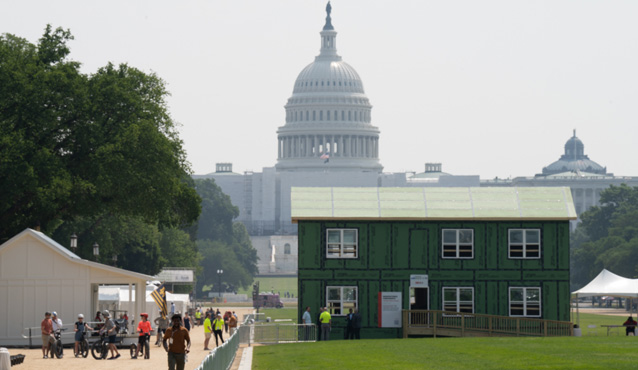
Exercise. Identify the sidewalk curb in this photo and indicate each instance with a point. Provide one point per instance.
(246, 359)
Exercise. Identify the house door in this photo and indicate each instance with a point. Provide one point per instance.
(419, 300)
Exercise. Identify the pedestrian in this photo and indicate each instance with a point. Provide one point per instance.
(110, 330)
(162, 323)
(57, 328)
(172, 309)
(356, 324)
(232, 323)
(179, 343)
(208, 331)
(46, 326)
(144, 328)
(307, 322)
(319, 324)
(226, 317)
(198, 316)
(349, 333)
(218, 329)
(80, 328)
(326, 323)
(187, 321)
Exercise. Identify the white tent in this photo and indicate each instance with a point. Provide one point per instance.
(607, 284)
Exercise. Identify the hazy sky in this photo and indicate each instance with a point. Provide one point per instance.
(492, 88)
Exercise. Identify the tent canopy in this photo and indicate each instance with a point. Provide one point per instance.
(610, 284)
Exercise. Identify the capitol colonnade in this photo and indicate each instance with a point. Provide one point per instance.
(346, 146)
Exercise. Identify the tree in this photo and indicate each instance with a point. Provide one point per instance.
(83, 146)
(607, 237)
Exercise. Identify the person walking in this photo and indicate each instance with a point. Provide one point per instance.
(80, 328)
(232, 324)
(319, 324)
(179, 343)
(218, 329)
(326, 323)
(356, 324)
(208, 331)
(46, 326)
(144, 328)
(110, 330)
(162, 323)
(307, 321)
(198, 317)
(187, 321)
(349, 334)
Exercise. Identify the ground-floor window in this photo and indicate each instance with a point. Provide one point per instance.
(341, 299)
(458, 299)
(525, 302)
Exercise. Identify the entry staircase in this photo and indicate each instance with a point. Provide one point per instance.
(459, 324)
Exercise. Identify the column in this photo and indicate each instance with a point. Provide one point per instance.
(340, 145)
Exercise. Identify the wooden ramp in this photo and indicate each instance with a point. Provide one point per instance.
(459, 324)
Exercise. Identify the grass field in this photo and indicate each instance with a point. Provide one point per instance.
(281, 313)
(276, 284)
(595, 350)
(616, 353)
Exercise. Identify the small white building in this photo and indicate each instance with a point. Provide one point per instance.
(37, 275)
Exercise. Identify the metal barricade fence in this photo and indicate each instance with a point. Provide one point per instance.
(222, 357)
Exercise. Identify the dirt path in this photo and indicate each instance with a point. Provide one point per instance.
(158, 359)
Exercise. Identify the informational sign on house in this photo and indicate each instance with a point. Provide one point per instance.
(389, 309)
(176, 276)
(418, 281)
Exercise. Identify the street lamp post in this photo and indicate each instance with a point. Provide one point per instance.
(96, 250)
(74, 242)
(115, 260)
(219, 281)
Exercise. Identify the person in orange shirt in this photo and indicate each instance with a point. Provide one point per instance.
(179, 343)
(47, 329)
(144, 328)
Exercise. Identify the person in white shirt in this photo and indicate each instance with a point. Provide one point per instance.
(57, 324)
(307, 321)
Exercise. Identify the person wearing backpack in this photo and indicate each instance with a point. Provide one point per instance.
(110, 328)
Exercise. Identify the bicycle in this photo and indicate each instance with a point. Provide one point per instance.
(145, 349)
(83, 349)
(56, 345)
(100, 348)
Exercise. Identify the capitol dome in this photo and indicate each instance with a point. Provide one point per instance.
(328, 117)
(574, 160)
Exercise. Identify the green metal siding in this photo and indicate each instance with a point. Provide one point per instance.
(390, 251)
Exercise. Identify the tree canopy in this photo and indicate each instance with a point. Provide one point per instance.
(76, 146)
(607, 237)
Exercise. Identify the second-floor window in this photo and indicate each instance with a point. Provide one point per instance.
(524, 243)
(458, 243)
(342, 243)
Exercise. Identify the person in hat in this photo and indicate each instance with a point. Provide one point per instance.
(218, 329)
(109, 329)
(80, 328)
(57, 328)
(144, 328)
(179, 343)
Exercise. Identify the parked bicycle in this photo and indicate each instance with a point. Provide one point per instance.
(144, 350)
(56, 346)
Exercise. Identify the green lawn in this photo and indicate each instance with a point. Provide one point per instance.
(280, 313)
(598, 320)
(592, 352)
(276, 284)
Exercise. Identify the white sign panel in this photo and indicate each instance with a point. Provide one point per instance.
(418, 281)
(176, 276)
(389, 309)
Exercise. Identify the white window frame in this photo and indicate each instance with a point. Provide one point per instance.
(342, 246)
(458, 244)
(525, 243)
(525, 302)
(458, 298)
(341, 304)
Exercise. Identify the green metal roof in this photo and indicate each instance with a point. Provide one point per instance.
(430, 203)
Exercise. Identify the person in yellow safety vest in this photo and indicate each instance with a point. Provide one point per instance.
(218, 328)
(208, 328)
(198, 317)
(326, 320)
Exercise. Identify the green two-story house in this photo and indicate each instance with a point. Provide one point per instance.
(496, 251)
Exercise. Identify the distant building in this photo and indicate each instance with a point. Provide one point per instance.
(494, 251)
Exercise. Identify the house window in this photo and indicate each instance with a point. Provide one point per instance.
(524, 243)
(458, 243)
(525, 302)
(458, 300)
(341, 299)
(342, 243)
(286, 248)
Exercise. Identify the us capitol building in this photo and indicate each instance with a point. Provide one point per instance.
(328, 140)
